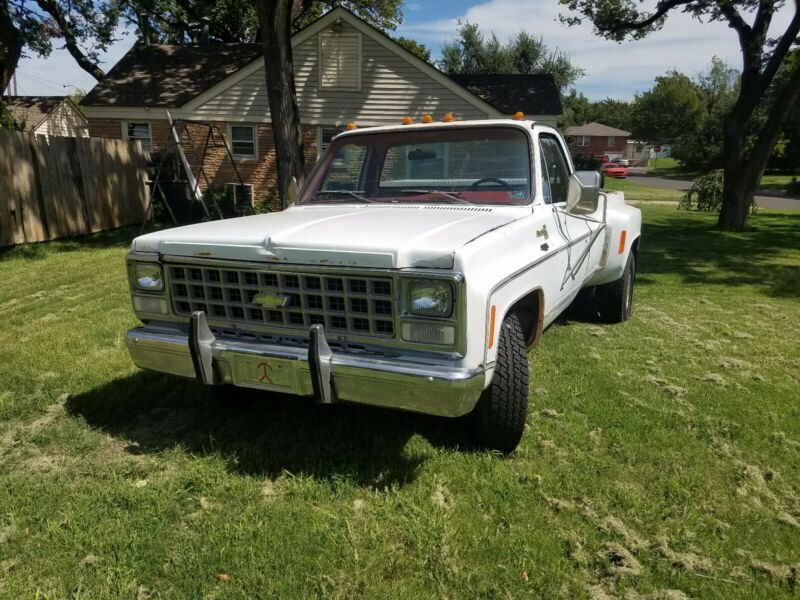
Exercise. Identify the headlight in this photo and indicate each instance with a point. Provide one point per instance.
(431, 298)
(148, 277)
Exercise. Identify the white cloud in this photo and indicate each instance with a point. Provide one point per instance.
(612, 69)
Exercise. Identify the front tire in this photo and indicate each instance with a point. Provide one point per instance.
(615, 299)
(499, 417)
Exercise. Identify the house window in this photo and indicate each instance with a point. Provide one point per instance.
(326, 134)
(611, 141)
(243, 140)
(582, 140)
(242, 194)
(139, 132)
(340, 61)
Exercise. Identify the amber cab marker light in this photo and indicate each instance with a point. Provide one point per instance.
(448, 118)
(519, 116)
(622, 237)
(491, 327)
(350, 126)
(408, 121)
(427, 119)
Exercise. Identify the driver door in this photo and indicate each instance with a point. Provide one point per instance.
(580, 232)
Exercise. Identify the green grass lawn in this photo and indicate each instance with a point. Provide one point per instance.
(661, 457)
(777, 182)
(641, 193)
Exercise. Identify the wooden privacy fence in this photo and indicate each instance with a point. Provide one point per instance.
(67, 186)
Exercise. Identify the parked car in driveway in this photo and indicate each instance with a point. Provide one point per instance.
(612, 169)
(416, 269)
(623, 162)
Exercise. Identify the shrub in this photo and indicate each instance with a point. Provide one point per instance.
(706, 194)
(586, 163)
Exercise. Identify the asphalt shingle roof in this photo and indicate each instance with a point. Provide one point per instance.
(596, 129)
(168, 76)
(31, 110)
(535, 94)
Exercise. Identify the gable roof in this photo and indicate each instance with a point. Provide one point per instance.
(166, 76)
(32, 110)
(534, 94)
(596, 129)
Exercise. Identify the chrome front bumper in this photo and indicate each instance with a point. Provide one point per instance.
(317, 371)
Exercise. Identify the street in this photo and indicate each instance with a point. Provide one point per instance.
(638, 175)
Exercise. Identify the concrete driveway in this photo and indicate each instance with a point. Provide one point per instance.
(639, 176)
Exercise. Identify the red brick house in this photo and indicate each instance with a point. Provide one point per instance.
(345, 71)
(596, 139)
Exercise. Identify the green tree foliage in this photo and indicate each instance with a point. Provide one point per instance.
(85, 27)
(228, 21)
(471, 52)
(663, 114)
(702, 103)
(755, 121)
(416, 48)
(578, 110)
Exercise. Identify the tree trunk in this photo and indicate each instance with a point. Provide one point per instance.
(743, 169)
(275, 22)
(737, 189)
(10, 47)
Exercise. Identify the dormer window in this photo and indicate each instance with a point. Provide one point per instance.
(340, 61)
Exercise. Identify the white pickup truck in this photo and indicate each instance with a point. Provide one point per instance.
(415, 270)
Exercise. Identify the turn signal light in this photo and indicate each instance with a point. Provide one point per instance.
(448, 118)
(427, 119)
(491, 326)
(622, 237)
(519, 116)
(350, 126)
(408, 121)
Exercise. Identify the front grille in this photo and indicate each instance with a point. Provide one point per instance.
(341, 303)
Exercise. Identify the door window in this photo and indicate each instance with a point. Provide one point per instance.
(555, 172)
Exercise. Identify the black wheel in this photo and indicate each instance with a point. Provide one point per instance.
(499, 417)
(615, 299)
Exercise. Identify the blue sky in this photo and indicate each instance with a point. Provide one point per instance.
(612, 70)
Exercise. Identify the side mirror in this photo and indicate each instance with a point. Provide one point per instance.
(583, 191)
(292, 191)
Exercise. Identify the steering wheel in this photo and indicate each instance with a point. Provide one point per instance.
(499, 182)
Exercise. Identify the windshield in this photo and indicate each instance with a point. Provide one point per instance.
(465, 165)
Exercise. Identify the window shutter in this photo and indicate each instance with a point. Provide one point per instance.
(340, 61)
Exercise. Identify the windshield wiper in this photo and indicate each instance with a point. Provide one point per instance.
(356, 194)
(450, 195)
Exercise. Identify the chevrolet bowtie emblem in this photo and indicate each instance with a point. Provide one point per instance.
(271, 300)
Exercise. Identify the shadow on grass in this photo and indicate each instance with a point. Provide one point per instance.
(120, 237)
(687, 244)
(259, 433)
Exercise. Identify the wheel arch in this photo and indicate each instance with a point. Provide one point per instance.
(529, 308)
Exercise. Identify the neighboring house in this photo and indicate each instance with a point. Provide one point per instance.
(596, 139)
(345, 71)
(48, 115)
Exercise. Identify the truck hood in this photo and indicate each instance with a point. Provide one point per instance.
(388, 236)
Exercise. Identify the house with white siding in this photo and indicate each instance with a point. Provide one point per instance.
(345, 72)
(47, 115)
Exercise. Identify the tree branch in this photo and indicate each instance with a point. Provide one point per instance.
(778, 113)
(662, 8)
(52, 8)
(788, 39)
(766, 8)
